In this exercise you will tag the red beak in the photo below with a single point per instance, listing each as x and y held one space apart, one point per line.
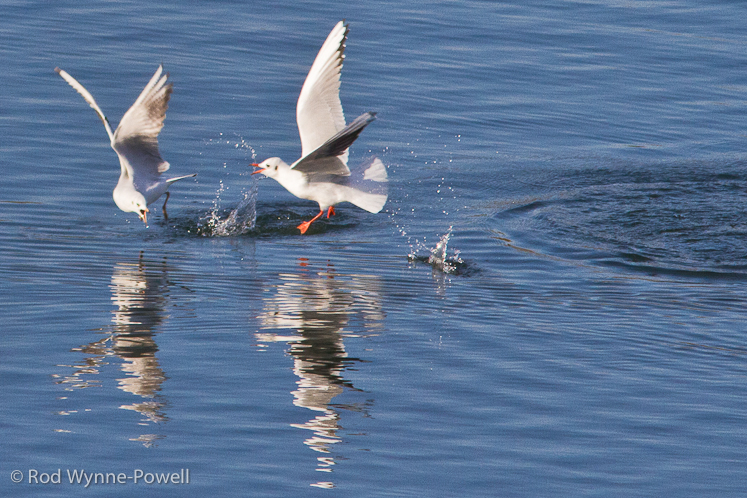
259 170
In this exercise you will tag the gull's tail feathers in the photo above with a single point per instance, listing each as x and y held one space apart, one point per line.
369 185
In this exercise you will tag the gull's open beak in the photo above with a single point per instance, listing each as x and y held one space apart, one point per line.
144 215
259 170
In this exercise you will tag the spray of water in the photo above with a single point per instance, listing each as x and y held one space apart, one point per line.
220 222
237 221
438 257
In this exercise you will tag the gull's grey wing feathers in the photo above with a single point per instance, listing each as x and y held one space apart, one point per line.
136 137
323 166
89 98
319 110
326 158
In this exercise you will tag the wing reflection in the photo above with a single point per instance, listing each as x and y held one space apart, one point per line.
140 293
313 311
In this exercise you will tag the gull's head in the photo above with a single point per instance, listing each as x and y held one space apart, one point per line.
129 200
272 167
139 206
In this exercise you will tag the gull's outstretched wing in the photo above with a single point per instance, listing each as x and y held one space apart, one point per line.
319 110
89 98
326 158
136 137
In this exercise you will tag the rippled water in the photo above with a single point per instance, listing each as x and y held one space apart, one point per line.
551 303
661 218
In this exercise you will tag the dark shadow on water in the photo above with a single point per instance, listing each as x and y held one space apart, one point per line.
456 267
736 274
681 222
270 222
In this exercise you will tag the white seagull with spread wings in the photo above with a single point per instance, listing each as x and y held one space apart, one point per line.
322 173
136 143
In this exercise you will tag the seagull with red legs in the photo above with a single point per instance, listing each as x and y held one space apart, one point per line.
322 173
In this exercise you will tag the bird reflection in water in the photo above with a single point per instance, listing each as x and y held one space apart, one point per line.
313 311
139 293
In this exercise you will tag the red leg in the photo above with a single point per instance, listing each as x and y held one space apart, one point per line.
306 224
330 211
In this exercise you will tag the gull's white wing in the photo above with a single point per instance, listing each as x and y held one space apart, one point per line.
136 137
89 98
319 110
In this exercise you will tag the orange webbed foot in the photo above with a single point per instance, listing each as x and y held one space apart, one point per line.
306 224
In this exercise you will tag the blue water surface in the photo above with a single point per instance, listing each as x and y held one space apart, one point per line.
552 302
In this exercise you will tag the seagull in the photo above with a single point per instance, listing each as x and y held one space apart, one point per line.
322 173
136 143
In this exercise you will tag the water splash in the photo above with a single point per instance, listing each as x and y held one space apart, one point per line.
237 221
438 257
227 222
